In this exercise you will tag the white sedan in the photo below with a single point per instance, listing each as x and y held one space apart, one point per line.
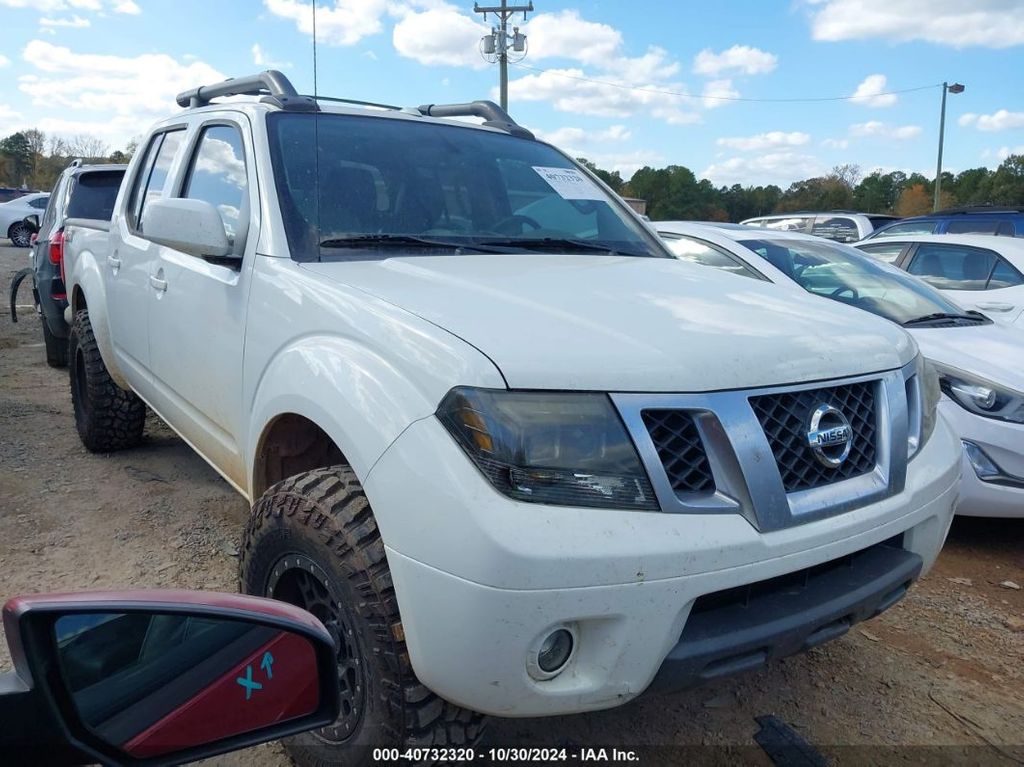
979 271
978 361
12 217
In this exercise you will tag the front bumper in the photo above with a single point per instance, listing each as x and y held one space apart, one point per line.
481 580
1003 444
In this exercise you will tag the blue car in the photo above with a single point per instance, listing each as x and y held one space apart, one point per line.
982 219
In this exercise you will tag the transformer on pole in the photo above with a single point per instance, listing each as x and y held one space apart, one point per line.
496 45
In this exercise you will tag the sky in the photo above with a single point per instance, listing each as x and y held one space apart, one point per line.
625 83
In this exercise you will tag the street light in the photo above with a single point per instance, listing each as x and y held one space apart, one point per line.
954 88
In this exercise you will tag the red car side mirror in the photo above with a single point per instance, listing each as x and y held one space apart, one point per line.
160 677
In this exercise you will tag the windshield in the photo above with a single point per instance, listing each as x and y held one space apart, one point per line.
379 185
841 273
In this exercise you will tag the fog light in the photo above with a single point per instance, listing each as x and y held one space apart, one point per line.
554 651
984 467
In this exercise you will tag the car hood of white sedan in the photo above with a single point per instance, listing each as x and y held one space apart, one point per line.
994 352
610 323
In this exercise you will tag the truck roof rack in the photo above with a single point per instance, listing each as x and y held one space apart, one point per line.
493 115
271 84
277 89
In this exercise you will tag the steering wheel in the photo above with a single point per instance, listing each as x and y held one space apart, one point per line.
516 218
845 289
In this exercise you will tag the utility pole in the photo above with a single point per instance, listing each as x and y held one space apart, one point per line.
954 88
497 42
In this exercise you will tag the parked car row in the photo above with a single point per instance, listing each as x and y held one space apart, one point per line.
979 361
838 225
12 217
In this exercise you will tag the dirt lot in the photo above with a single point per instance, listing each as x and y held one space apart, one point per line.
945 668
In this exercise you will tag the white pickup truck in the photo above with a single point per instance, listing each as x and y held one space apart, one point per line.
517 458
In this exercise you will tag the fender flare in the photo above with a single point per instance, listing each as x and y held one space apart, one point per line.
358 398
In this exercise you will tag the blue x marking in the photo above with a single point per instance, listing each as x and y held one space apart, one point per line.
248 683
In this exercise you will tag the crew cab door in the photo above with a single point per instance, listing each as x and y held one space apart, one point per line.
197 306
130 257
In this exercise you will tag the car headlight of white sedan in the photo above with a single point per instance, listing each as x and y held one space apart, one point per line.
980 396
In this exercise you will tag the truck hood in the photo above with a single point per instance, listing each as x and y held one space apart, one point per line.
993 352
609 323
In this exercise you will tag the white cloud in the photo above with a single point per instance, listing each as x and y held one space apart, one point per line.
739 59
1004 151
870 92
9 119
988 23
780 168
57 6
718 93
4 61
115 97
261 59
568 36
836 143
876 129
574 140
599 147
440 35
345 23
75 21
567 93
762 141
997 121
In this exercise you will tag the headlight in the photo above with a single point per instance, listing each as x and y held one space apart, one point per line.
926 384
980 396
555 448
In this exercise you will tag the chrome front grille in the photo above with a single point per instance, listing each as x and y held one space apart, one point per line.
784 418
749 452
680 449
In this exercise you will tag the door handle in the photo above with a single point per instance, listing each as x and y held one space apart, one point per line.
990 307
113 262
156 282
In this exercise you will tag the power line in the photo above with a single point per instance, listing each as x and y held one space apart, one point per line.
663 92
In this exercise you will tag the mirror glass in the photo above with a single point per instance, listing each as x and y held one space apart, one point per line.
154 683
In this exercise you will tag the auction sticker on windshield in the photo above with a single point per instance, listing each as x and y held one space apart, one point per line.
570 183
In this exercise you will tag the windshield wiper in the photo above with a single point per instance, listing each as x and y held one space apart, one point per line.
937 316
555 245
399 240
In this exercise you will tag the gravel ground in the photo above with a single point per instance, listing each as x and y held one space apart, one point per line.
937 679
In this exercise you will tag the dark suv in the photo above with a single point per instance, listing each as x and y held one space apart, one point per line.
82 191
981 219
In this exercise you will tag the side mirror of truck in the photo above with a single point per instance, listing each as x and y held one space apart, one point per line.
32 222
159 677
191 226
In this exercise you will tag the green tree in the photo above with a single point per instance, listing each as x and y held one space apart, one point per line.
973 186
611 178
16 151
1008 181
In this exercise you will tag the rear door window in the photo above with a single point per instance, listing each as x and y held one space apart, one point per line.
1004 276
789 223
953 267
94 194
154 174
973 226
